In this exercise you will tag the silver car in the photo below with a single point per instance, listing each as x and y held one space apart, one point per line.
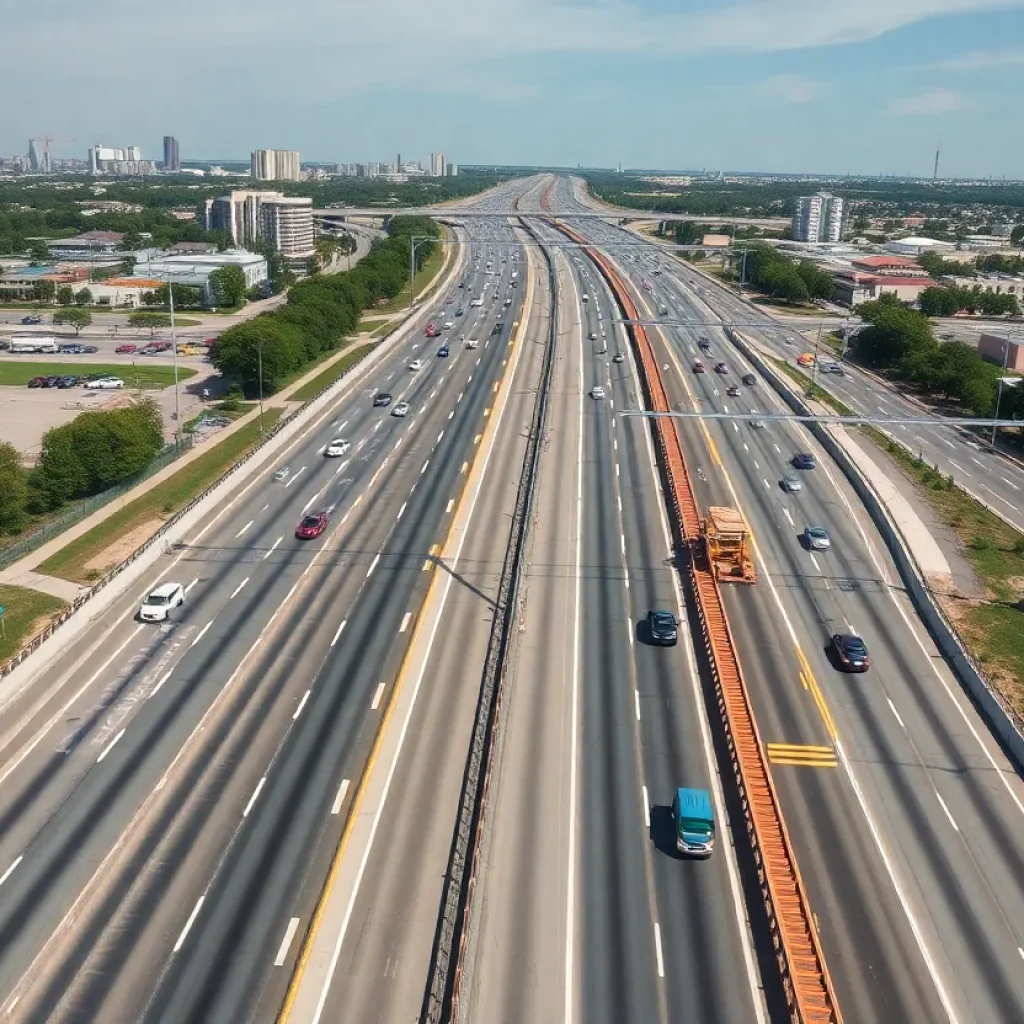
817 539
792 483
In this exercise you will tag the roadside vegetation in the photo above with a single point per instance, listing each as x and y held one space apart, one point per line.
313 387
82 559
26 612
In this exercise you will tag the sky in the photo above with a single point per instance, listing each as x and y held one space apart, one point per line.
818 86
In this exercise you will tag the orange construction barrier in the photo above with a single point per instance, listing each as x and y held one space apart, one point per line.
801 962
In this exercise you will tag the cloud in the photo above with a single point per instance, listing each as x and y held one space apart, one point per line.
792 88
979 60
931 101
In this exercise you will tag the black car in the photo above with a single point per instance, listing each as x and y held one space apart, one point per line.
90 349
460 311
804 460
662 628
443 352
851 652
704 343
67 382
749 378
381 398
50 381
32 319
498 328
71 350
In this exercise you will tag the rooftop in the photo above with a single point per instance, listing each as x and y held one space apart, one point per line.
888 261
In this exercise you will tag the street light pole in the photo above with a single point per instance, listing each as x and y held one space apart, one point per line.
999 393
259 357
174 357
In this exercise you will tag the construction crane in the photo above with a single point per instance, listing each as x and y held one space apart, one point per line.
46 140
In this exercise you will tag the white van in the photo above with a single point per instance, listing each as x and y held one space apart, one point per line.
33 343
477 302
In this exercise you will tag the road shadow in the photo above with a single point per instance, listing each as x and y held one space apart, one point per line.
662 831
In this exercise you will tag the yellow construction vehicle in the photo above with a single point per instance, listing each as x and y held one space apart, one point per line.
728 546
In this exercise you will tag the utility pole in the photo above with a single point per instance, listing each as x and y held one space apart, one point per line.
999 393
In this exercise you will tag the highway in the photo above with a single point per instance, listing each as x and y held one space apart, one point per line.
131 781
907 818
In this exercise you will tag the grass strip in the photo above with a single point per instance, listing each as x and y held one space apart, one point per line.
134 375
26 612
811 390
161 502
313 387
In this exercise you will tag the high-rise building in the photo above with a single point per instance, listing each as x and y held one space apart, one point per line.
172 157
287 223
437 165
127 160
33 156
452 170
275 165
818 218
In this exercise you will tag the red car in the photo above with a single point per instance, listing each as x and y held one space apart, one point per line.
433 331
311 526
125 349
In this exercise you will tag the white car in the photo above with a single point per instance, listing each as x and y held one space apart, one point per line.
416 365
336 448
448 325
401 410
158 604
472 343
586 297
106 383
597 392
282 474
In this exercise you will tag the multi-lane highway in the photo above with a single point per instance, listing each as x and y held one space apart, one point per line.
247 813
908 819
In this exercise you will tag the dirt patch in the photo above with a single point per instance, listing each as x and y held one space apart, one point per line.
122 548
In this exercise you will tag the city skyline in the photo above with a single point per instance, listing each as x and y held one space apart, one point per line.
801 87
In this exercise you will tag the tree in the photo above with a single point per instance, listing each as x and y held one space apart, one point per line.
1017 235
77 318
44 291
939 301
83 297
39 252
819 282
148 321
131 241
327 247
227 285
65 295
13 490
688 233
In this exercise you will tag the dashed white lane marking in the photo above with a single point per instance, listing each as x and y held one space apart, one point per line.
340 798
777 448
272 547
896 713
377 696
647 809
1010 482
448 507
657 950
159 686
10 871
765 482
423 468
188 924
191 585
636 701
201 634
110 746
289 934
785 512
401 510
302 704
960 468
405 622
815 561
977 462
956 827
298 473
255 794
338 634
373 564
238 589
946 442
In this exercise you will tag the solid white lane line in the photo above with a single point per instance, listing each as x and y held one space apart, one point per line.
272 547
286 942
896 713
338 634
201 634
405 622
636 700
302 704
255 794
298 473
10 871
377 696
244 528
238 589
657 950
340 798
401 510
373 564
188 924
956 827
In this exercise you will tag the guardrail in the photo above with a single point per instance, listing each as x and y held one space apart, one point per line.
803 974
444 988
1001 718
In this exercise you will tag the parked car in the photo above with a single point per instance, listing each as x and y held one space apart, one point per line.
50 381
311 526
106 383
32 318
67 382
88 349
126 349
37 382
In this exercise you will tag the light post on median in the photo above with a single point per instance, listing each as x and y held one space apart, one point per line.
999 393
174 358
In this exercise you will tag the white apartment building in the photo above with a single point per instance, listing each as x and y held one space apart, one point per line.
275 165
437 165
287 222
818 218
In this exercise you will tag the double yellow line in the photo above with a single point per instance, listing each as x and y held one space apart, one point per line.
360 790
801 754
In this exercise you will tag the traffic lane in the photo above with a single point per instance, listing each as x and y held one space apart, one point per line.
705 944
395 913
370 628
518 957
616 923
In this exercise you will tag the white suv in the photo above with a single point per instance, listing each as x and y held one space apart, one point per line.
337 447
157 605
